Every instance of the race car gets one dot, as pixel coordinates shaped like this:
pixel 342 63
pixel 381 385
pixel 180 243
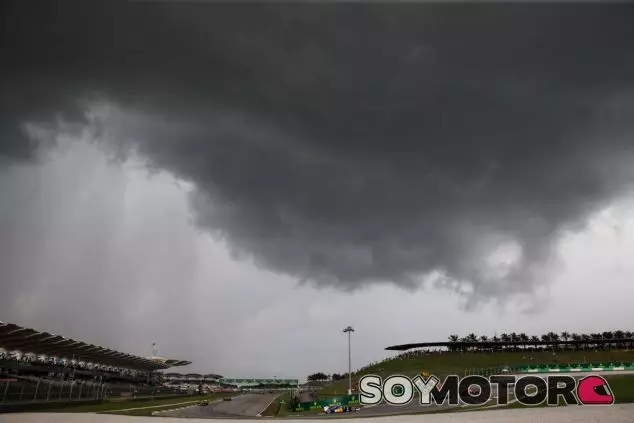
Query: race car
pixel 335 409
pixel 203 403
pixel 227 398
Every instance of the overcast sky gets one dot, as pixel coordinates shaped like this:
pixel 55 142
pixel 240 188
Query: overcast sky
pixel 238 183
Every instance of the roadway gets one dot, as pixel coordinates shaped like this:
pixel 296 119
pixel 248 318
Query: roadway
pixel 242 406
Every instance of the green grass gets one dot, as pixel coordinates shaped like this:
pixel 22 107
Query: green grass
pixel 272 409
pixel 144 412
pixel 456 363
pixel 114 406
pixel 149 411
pixel 622 388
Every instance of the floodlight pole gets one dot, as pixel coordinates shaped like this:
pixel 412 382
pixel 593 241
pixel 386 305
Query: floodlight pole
pixel 349 331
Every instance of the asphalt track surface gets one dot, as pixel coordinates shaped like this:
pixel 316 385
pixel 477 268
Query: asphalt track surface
pixel 389 410
pixel 620 413
pixel 244 406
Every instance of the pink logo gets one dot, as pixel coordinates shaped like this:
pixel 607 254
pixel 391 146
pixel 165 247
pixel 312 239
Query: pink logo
pixel 594 390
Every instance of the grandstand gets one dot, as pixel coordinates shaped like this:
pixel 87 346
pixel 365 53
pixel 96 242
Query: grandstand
pixel 192 381
pixel 191 378
pixel 45 367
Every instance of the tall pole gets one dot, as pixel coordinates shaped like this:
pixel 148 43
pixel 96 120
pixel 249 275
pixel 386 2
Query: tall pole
pixel 349 364
pixel 349 331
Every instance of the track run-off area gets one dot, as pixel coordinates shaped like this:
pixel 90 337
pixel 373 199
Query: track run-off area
pixel 241 406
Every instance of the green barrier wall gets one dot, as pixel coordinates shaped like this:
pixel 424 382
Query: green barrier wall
pixel 555 368
pixel 351 400
pixel 576 367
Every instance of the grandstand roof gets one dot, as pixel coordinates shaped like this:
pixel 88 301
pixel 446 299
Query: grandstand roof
pixel 207 376
pixel 14 337
pixel 491 343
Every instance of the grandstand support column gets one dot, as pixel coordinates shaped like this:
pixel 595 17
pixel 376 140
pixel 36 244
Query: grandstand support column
pixel 22 391
pixel 48 394
pixel 4 395
pixel 37 386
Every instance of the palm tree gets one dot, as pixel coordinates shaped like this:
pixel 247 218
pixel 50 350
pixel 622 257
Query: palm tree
pixel 548 338
pixel 453 339
pixel 596 337
pixel 514 339
pixel 586 338
pixel 565 335
pixel 495 339
pixel 505 338
pixel 619 335
pixel 524 339
pixel 628 335
pixel 464 339
pixel 608 336
pixel 552 337
pixel 472 338
pixel 484 338
pixel 534 338
pixel 577 338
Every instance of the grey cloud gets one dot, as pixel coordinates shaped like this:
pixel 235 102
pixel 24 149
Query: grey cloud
pixel 352 144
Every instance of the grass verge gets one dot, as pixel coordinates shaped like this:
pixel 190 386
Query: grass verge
pixel 117 406
pixel 456 363
pixel 274 408
pixel 622 388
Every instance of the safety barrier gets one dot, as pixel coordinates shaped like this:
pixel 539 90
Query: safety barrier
pixel 347 400
pixel 553 368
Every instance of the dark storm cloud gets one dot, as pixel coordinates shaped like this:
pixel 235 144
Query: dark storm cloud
pixel 346 144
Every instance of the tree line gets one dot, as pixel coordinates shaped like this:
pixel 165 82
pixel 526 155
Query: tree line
pixel 565 340
pixel 322 377
pixel 619 339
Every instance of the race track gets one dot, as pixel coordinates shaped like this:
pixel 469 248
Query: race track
pixel 388 410
pixel 241 406
pixel 621 413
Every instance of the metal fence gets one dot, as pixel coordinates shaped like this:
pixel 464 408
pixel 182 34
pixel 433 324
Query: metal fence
pixel 551 368
pixel 43 390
